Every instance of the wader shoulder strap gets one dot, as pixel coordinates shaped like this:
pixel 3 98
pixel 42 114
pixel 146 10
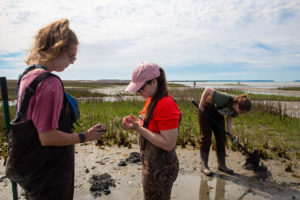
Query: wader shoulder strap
pixel 29 91
pixel 226 104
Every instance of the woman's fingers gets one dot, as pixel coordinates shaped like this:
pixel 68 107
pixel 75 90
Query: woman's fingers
pixel 99 128
pixel 129 122
pixel 132 117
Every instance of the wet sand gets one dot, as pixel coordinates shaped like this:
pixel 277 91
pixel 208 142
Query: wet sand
pixel 190 183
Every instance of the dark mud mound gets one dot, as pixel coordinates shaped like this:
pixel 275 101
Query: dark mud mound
pixel 261 171
pixel 134 157
pixel 101 183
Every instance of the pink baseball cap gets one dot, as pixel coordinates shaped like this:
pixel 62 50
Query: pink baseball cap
pixel 142 73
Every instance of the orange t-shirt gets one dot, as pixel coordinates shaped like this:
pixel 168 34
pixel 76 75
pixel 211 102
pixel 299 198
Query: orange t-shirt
pixel 165 116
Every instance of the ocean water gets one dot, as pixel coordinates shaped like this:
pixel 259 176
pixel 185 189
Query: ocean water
pixel 230 84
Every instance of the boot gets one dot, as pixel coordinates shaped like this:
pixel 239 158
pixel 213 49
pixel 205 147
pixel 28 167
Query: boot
pixel 221 163
pixel 204 161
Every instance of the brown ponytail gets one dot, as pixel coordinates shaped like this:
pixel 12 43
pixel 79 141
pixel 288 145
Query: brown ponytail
pixel 161 92
pixel 243 102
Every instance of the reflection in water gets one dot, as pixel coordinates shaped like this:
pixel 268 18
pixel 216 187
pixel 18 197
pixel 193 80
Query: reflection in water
pixel 220 189
pixel 205 189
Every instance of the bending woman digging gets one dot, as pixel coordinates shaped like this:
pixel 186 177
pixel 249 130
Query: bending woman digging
pixel 158 129
pixel 217 105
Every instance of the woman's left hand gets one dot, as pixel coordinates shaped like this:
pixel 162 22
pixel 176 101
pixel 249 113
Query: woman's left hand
pixel 130 123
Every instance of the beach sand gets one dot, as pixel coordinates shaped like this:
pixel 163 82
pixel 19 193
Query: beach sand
pixel 275 183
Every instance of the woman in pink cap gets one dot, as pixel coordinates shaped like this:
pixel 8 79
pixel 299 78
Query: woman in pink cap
pixel 158 128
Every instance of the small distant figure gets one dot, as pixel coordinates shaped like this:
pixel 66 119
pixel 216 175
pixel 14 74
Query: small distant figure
pixel 194 84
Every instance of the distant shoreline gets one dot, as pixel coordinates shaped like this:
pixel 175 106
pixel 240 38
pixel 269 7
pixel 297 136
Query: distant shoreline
pixel 264 81
pixel 222 81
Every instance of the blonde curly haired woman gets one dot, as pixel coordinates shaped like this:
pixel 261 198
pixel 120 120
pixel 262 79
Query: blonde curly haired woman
pixel 41 144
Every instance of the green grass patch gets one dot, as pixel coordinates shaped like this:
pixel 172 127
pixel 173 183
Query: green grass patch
pixel 180 91
pixel 176 85
pixel 264 129
pixel 273 134
pixel 196 93
pixel 94 84
pixel 235 84
pixel 81 93
pixel 289 88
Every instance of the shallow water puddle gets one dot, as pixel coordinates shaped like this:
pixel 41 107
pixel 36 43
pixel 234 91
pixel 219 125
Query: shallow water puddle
pixel 199 187
pixel 221 187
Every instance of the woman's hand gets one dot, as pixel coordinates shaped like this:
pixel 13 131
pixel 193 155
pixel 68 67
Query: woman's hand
pixel 201 108
pixel 130 123
pixel 95 132
pixel 55 137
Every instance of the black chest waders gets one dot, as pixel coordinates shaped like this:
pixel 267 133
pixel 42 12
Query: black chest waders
pixel 160 169
pixel 44 172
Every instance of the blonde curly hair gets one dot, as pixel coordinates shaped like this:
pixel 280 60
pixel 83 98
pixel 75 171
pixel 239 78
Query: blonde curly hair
pixel 52 40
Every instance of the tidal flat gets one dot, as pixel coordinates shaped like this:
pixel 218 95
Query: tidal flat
pixel 272 128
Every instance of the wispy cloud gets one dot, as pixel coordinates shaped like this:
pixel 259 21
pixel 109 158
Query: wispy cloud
pixel 285 14
pixel 264 46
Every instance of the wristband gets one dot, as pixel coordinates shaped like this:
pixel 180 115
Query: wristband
pixel 81 137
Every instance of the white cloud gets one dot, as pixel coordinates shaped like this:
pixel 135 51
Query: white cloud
pixel 119 34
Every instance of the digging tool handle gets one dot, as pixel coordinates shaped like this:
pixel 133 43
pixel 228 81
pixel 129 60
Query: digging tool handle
pixel 4 94
pixel 218 125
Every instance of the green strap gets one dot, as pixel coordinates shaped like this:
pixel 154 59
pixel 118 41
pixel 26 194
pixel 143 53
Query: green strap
pixel 7 124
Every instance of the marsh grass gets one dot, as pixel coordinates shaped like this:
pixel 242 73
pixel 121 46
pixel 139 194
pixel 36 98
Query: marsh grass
pixel 195 93
pixel 81 93
pixel 112 113
pixel 269 130
pixel 94 84
pixel 235 84
pixel 170 84
pixel 289 88
pixel 266 128
pixel 81 89
pixel 3 140
pixel 77 89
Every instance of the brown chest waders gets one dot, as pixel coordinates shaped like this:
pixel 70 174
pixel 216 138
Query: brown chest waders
pixel 160 170
pixel 43 172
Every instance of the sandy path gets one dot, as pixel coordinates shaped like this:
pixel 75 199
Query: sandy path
pixel 190 184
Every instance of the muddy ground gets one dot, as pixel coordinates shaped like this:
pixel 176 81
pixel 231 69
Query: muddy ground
pixel 91 160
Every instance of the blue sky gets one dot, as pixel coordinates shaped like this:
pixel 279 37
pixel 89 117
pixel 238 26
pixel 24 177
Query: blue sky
pixel 191 40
